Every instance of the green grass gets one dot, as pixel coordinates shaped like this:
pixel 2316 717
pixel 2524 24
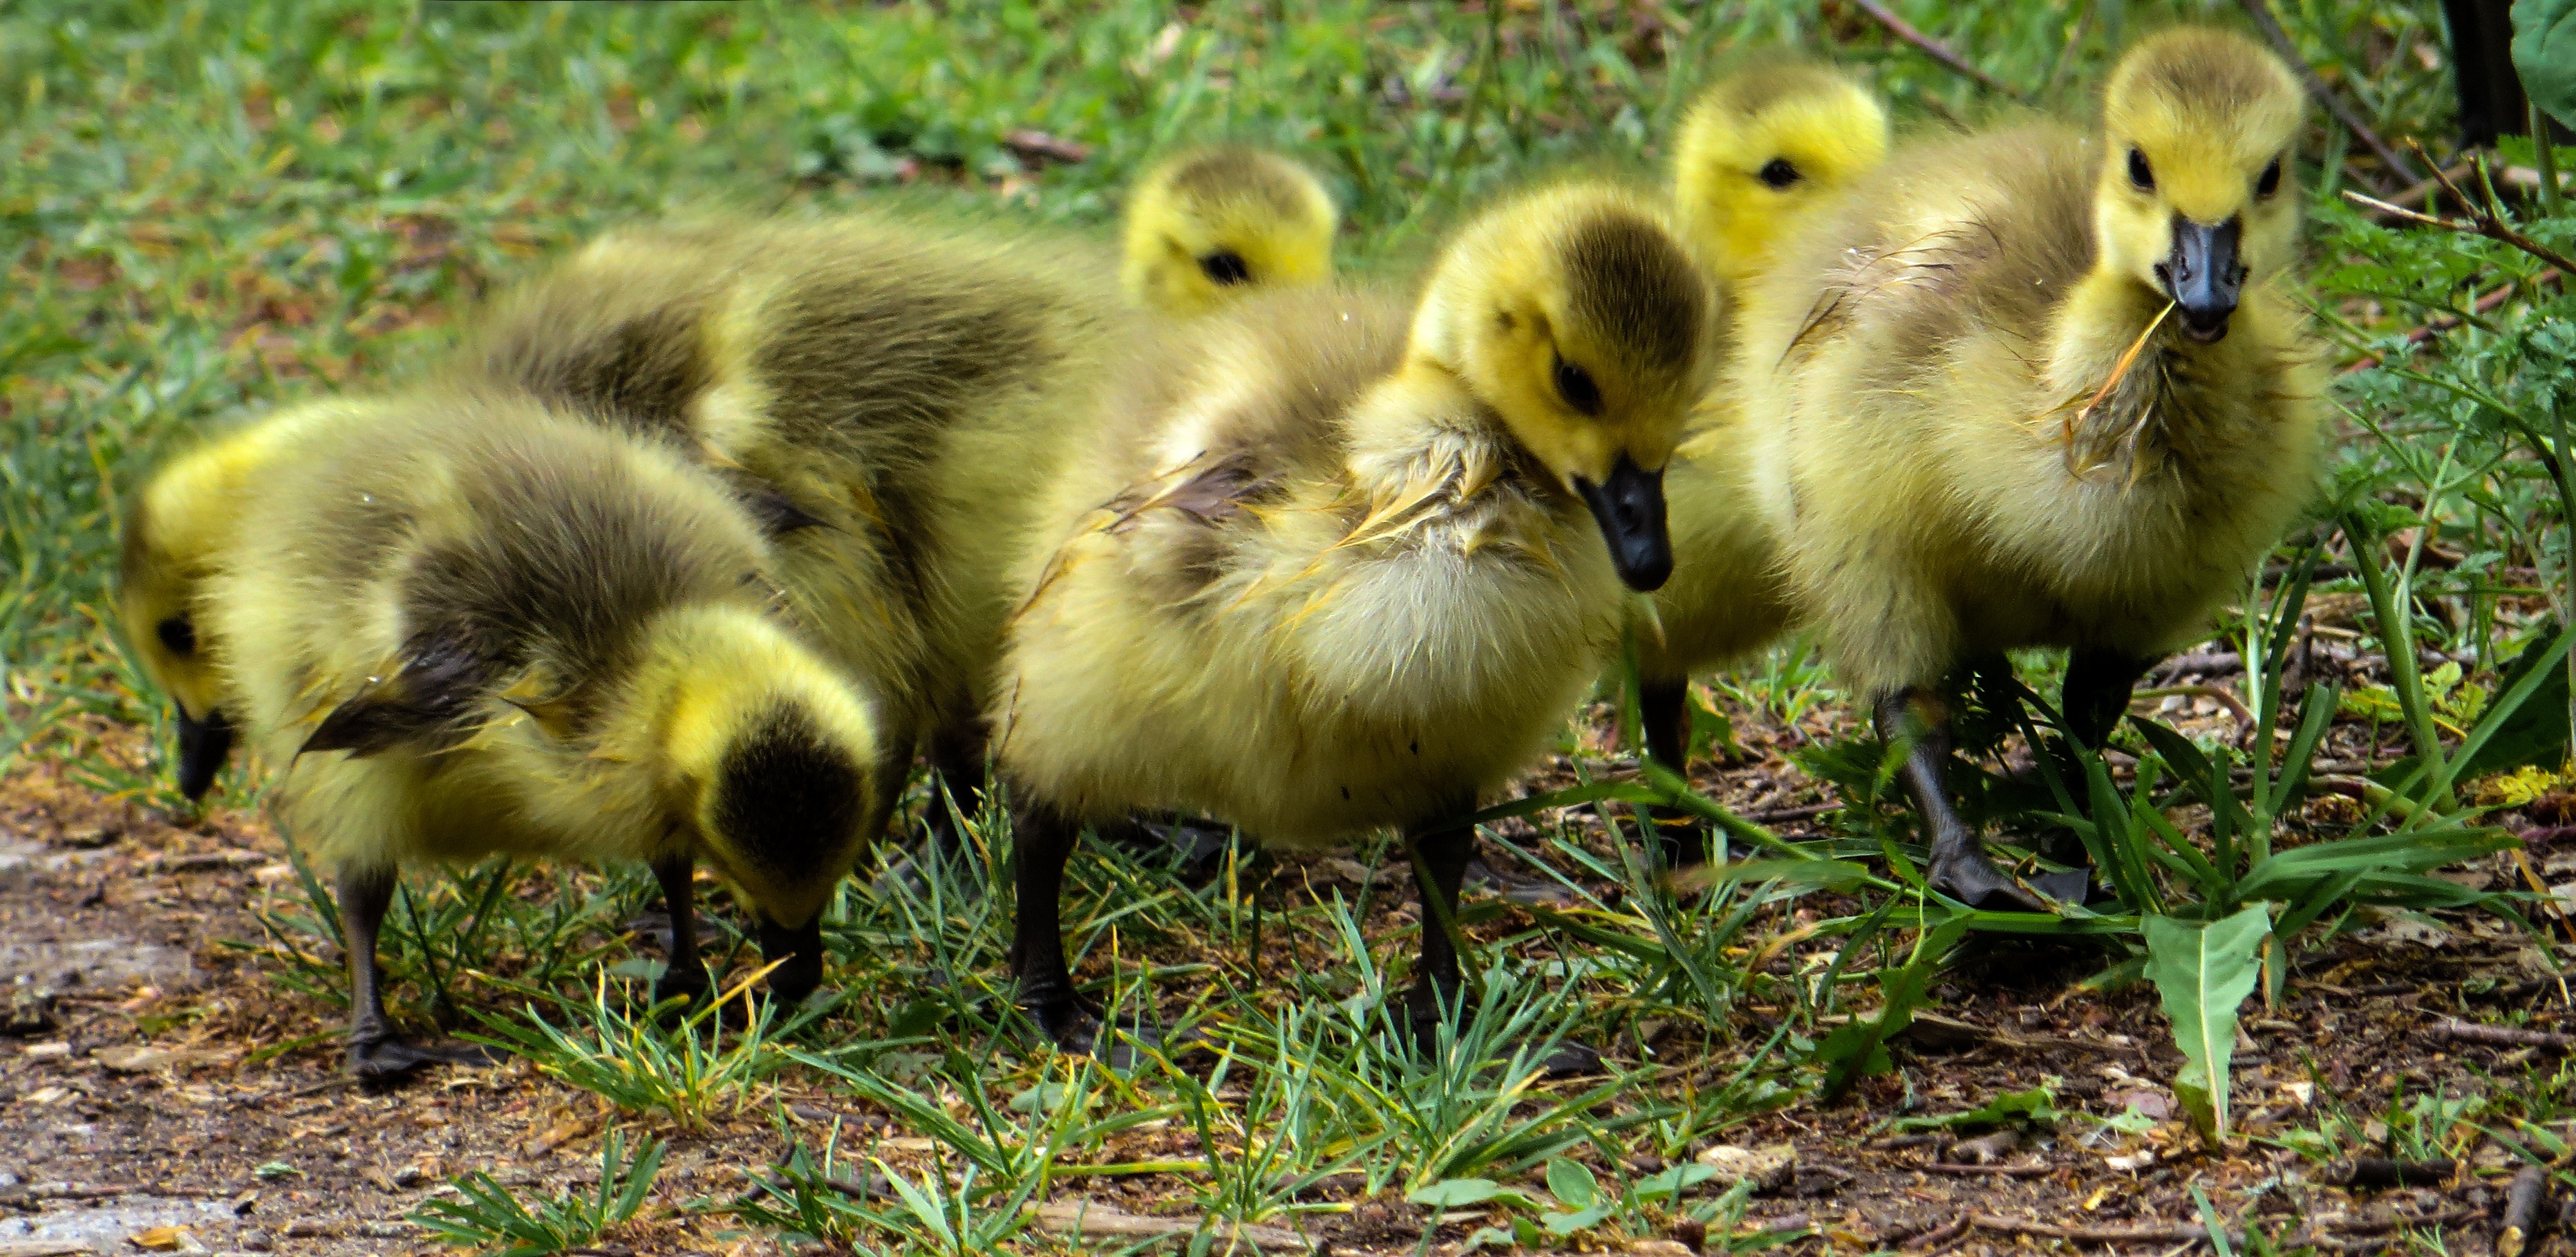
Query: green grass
pixel 211 208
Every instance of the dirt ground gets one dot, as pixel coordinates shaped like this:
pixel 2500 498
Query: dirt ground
pixel 136 1096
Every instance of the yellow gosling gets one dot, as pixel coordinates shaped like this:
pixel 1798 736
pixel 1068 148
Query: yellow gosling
pixel 2030 388
pixel 889 397
pixel 469 627
pixel 1319 571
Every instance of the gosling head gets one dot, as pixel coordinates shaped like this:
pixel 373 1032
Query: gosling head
pixel 2196 195
pixel 1212 224
pixel 768 751
pixel 1763 146
pixel 1577 315
pixel 172 538
pixel 156 604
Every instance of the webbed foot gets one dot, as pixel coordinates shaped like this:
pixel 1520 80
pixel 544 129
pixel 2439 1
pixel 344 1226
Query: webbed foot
pixel 2072 886
pixel 1969 877
pixel 1076 1029
pixel 689 985
pixel 385 1059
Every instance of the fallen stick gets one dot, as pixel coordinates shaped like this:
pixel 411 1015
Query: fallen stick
pixel 2522 1211
pixel 2459 1031
pixel 2344 1224
pixel 1933 48
pixel 1081 1217
pixel 2000 1171
pixel 2099 1234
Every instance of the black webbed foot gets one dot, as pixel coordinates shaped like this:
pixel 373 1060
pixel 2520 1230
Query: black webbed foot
pixel 2072 886
pixel 1972 879
pixel 688 986
pixel 386 1059
pixel 1076 1029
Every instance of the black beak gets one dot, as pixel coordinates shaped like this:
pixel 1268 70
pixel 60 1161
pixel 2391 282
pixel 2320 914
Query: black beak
pixel 1630 510
pixel 2203 276
pixel 202 747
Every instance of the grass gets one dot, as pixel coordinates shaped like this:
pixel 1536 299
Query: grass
pixel 212 208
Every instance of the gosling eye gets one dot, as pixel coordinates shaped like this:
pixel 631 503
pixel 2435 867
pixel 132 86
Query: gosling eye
pixel 2140 176
pixel 1778 173
pixel 2271 180
pixel 177 636
pixel 1226 268
pixel 1575 385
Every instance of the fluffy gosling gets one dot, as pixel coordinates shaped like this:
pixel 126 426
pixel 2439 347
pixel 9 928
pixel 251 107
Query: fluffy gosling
pixel 1319 572
pixel 186 516
pixel 2028 388
pixel 468 627
pixel 889 396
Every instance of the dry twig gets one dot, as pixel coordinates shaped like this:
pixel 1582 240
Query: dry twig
pixel 2486 216
pixel 1081 1217
pixel 2522 1207
pixel 1933 48
pixel 2459 1031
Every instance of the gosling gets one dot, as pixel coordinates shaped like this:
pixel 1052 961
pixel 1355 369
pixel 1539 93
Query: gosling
pixel 1317 572
pixel 888 396
pixel 2028 388
pixel 470 627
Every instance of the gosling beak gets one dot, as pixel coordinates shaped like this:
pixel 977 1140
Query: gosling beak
pixel 202 747
pixel 2203 276
pixel 1630 510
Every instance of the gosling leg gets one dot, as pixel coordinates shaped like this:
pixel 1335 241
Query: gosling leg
pixel 1960 867
pixel 1045 839
pixel 1441 869
pixel 2096 696
pixel 798 950
pixel 684 976
pixel 1438 876
pixel 956 772
pixel 375 1052
pixel 1663 707
pixel 2098 683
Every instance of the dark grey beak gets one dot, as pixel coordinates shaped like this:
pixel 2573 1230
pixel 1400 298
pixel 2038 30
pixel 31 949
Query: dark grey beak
pixel 1630 510
pixel 202 747
pixel 2203 276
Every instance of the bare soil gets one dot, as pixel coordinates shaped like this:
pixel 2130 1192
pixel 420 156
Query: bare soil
pixel 143 1090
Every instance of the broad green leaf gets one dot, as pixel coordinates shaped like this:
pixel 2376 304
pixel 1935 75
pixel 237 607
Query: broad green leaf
pixel 2037 1106
pixel 1572 1184
pixel 1466 1193
pixel 2544 54
pixel 1562 1224
pixel 1672 1181
pixel 2203 974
